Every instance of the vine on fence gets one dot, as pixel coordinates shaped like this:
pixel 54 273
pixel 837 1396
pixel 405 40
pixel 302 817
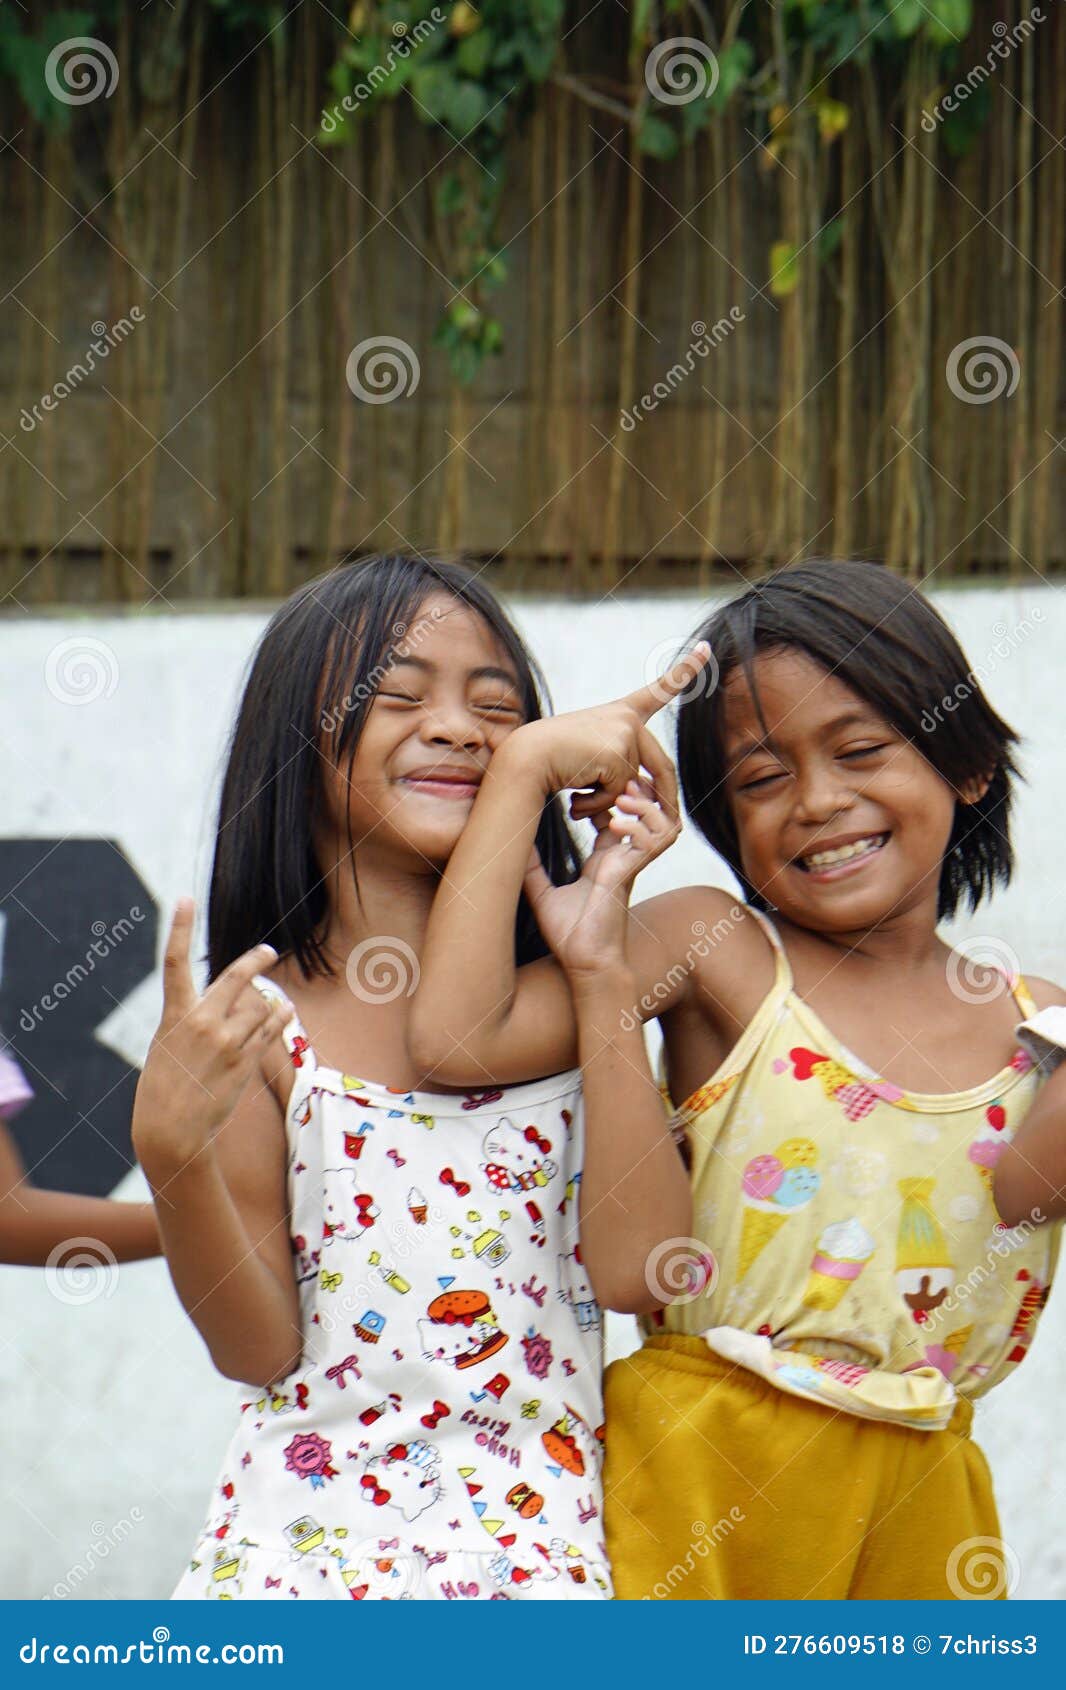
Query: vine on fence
pixel 811 160
pixel 471 72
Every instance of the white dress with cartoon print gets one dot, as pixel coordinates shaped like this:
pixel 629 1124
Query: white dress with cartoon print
pixel 442 1435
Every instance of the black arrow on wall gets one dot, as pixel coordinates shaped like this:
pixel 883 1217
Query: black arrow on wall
pixel 79 934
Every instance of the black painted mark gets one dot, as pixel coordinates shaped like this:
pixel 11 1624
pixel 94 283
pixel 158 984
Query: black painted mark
pixel 79 934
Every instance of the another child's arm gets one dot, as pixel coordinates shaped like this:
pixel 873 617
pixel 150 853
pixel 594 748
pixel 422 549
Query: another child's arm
pixel 34 1223
pixel 213 1148
pixel 635 1199
pixel 472 1021
pixel 1030 1177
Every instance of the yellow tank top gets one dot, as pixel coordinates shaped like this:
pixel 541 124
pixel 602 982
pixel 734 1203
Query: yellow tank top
pixel 852 1251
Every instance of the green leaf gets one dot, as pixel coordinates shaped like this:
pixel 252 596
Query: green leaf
pixel 833 118
pixel 464 316
pixel 465 106
pixel 695 115
pixel 475 52
pixel 949 21
pixel 451 195
pixel 962 127
pixel 657 137
pixel 829 238
pixel 546 15
pixel 431 87
pixel 733 66
pixel 495 271
pixel 466 360
pixel 907 16
pixel 25 57
pixel 538 54
pixel 784 269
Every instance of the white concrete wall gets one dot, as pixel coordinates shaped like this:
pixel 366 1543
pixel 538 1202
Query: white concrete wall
pixel 114 1421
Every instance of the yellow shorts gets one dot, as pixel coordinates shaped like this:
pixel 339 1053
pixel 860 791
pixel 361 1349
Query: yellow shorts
pixel 720 1486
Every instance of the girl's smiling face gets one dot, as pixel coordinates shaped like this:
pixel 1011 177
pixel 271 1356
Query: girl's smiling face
pixel 842 823
pixel 446 699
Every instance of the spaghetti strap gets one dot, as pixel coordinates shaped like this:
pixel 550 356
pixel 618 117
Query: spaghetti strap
pixel 783 969
pixel 293 1035
pixel 1023 997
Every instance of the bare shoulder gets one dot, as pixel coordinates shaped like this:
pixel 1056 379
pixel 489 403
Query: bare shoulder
pixel 707 913
pixel 276 1073
pixel 1044 992
pixel 715 939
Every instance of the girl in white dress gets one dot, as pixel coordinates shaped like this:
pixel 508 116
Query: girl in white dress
pixel 393 1270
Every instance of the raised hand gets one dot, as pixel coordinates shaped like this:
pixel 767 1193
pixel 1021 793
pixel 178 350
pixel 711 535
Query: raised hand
pixel 205 1049
pixel 585 922
pixel 601 749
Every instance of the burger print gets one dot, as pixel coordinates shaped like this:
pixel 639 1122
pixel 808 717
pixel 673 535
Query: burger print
pixel 444 1411
pixel 460 1329
pixel 571 1445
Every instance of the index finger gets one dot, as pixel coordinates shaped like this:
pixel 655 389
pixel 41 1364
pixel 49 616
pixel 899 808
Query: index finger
pixel 647 700
pixel 179 989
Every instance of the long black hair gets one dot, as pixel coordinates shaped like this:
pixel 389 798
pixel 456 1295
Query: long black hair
pixel 314 673
pixel 885 641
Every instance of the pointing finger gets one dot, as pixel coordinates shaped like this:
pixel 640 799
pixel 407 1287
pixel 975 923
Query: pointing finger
pixel 680 675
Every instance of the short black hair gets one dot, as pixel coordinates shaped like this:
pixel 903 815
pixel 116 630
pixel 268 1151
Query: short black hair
pixel 880 636
pixel 315 672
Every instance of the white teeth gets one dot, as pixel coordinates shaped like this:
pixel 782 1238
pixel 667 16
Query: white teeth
pixel 844 853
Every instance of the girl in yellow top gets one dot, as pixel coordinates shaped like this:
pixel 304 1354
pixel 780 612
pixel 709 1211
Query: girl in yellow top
pixel 797 1422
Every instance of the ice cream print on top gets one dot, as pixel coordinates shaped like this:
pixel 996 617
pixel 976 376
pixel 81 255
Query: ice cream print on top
pixel 776 1187
pixel 442 1436
pixel 861 1259
pixel 840 1255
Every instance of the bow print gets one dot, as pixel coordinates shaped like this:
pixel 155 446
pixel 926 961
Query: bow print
pixel 460 1186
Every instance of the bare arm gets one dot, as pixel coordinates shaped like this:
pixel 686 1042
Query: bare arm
pixel 210 1137
pixel 635 1193
pixel 635 1202
pixel 33 1222
pixel 475 1018
pixel 1030 1176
